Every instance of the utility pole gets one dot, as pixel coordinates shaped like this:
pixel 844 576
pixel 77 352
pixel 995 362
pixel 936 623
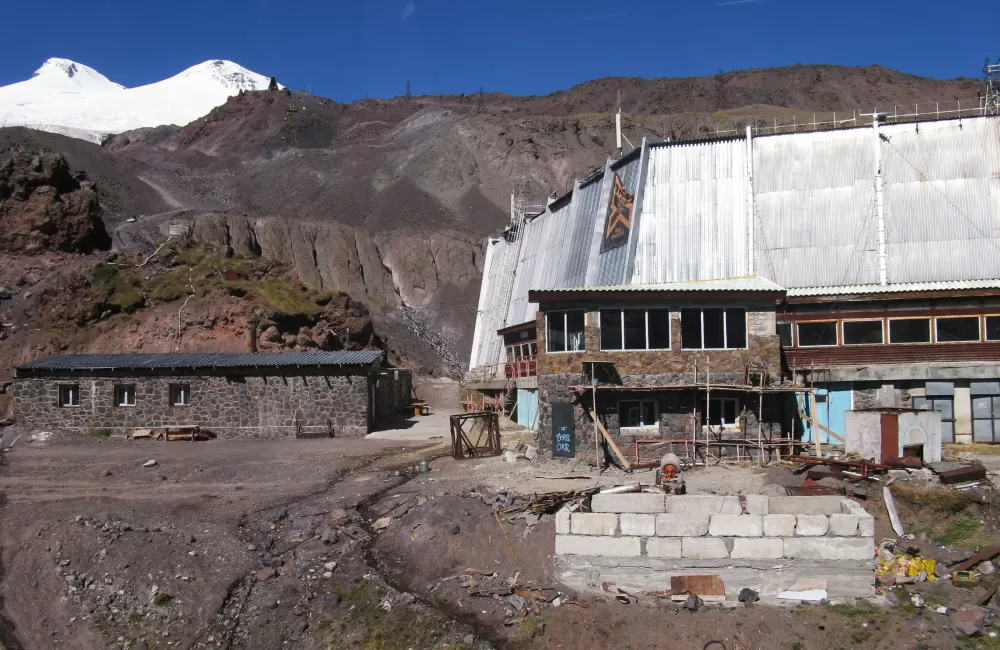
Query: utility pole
pixel 409 95
pixel 481 102
pixel 883 276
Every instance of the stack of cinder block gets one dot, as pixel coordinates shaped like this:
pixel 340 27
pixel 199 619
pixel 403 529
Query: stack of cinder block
pixel 709 527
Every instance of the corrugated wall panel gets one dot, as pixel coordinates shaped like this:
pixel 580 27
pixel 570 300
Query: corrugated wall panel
pixel 693 219
pixel 586 202
pixel 525 269
pixel 610 266
pixel 942 200
pixel 491 311
pixel 815 208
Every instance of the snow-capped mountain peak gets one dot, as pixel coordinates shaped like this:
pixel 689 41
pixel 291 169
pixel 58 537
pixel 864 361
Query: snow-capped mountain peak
pixel 67 97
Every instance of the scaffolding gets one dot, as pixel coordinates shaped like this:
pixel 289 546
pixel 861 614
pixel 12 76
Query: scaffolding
pixel 991 100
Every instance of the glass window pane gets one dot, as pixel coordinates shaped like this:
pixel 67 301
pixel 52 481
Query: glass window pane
pixel 635 329
pixel 729 411
pixel 785 334
pixel 947 432
pixel 611 329
pixel 556 339
pixel 510 355
pixel 993 328
pixel 648 413
pixel 822 333
pixel 957 329
pixel 736 328
pixel 659 329
pixel 574 331
pixel 862 332
pixel 628 414
pixel 982 407
pixel 534 349
pixel 982 430
pixel 691 329
pixel 921 404
pixel 944 407
pixel 910 330
pixel 713 324
pixel 715 412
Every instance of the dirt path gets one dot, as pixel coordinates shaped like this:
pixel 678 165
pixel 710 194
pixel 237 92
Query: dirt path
pixel 164 194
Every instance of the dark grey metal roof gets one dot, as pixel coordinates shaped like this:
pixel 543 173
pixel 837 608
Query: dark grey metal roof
pixel 164 361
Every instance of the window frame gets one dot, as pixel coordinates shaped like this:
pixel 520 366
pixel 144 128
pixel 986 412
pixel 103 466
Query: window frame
pixel 791 333
pixel 621 321
pixel 725 326
pixel 843 336
pixel 186 391
pixel 640 401
pixel 836 334
pixel 984 329
pixel 979 320
pixel 73 391
pixel 565 313
pixel 122 393
pixel 930 330
pixel 708 412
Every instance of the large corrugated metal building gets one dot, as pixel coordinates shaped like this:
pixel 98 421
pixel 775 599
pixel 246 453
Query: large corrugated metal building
pixel 885 240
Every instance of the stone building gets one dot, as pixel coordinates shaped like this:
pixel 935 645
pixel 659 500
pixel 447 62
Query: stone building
pixel 234 395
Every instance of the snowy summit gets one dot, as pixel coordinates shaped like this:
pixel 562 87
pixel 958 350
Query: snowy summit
pixel 73 99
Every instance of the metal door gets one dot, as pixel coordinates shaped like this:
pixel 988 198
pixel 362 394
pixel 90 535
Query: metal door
pixel 527 408
pixel 985 416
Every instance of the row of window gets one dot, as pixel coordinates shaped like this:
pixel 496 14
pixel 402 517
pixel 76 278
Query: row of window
pixel 708 328
pixel 521 350
pixel 178 394
pixel 940 329
pixel 722 412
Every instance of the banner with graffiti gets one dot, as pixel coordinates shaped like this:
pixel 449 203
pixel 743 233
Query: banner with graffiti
pixel 619 219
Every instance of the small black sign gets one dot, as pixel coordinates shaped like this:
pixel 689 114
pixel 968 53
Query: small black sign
pixel 618 223
pixel 563 436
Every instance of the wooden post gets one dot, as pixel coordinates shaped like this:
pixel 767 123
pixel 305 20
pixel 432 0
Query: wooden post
pixel 708 405
pixel 760 435
pixel 597 433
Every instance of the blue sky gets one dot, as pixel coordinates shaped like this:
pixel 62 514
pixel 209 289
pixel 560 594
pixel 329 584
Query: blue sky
pixel 351 50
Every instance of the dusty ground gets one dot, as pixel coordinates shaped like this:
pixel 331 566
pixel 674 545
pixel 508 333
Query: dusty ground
pixel 230 545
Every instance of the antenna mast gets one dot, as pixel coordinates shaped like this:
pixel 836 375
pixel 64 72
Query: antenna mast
pixel 991 102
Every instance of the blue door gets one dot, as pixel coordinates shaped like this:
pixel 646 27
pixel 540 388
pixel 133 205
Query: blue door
pixel 833 401
pixel 527 408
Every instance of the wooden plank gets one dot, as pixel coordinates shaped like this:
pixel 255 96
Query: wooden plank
pixel 963 474
pixel 819 426
pixel 981 556
pixel 611 443
pixel 709 588
pixel 890 505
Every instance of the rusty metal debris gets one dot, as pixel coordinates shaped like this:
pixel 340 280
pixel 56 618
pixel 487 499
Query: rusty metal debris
pixel 549 502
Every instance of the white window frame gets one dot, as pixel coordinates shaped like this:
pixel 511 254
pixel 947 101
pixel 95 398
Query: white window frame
pixel 184 390
pixel 69 396
pixel 930 330
pixel 122 394
pixel 565 313
pixel 725 327
pixel 656 413
pixel 836 334
pixel 791 332
pixel 843 336
pixel 979 321
pixel 621 322
pixel 725 425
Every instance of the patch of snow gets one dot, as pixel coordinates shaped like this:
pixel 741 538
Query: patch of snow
pixel 73 99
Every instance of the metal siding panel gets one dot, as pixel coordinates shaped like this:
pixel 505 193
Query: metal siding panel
pixel 815 205
pixel 942 200
pixel 525 268
pixel 581 247
pixel 480 333
pixel 693 221
pixel 610 266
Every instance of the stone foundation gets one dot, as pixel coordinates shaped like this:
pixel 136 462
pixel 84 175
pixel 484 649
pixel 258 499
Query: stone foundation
pixel 765 543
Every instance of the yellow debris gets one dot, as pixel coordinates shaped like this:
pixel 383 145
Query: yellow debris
pixel 908 566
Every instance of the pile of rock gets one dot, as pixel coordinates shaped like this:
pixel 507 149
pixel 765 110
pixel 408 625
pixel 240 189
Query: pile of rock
pixel 517 450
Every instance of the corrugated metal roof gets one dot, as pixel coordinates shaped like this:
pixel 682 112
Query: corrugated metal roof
pixel 902 287
pixel 746 283
pixel 484 344
pixel 609 267
pixel 693 218
pixel 143 361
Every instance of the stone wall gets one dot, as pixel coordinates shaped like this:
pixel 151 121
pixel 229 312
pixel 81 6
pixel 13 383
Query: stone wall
pixel 826 536
pixel 274 406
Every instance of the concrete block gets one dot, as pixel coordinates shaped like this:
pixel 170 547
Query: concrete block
pixel 668 547
pixel 758 548
pixel 818 505
pixel 708 504
pixel 812 525
pixel 562 522
pixel 736 526
pixel 843 525
pixel 731 506
pixel 682 525
pixel 637 502
pixel 829 548
pixel 704 548
pixel 779 525
pixel 757 504
pixel 599 546
pixel 586 523
pixel 866 525
pixel 635 524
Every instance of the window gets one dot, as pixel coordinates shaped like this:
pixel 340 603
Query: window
pixel 637 413
pixel 565 331
pixel 910 330
pixel 180 394
pixel 723 411
pixel 69 395
pixel 635 329
pixel 946 407
pixel 817 333
pixel 785 334
pixel 993 328
pixel 955 330
pixel 125 395
pixel 713 328
pixel 863 332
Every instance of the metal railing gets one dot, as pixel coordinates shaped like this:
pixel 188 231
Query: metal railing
pixel 521 367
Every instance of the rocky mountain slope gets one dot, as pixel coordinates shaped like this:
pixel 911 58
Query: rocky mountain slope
pixel 389 200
